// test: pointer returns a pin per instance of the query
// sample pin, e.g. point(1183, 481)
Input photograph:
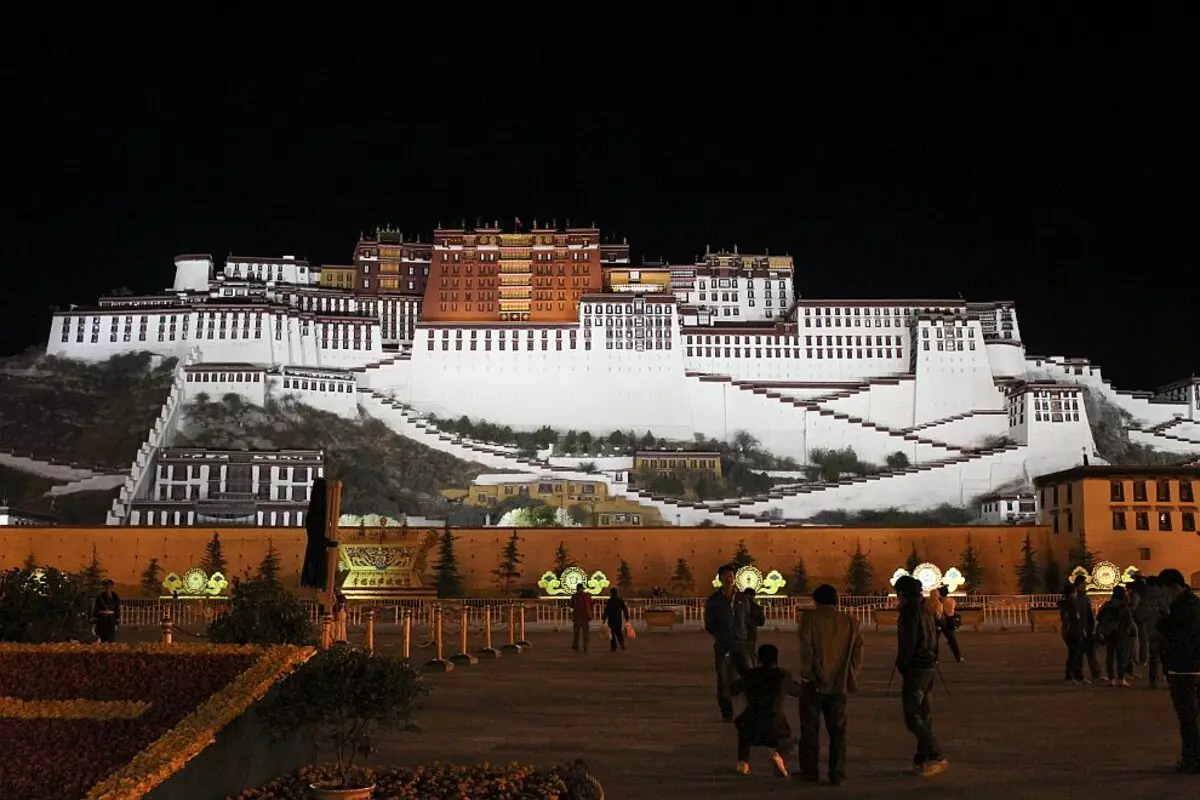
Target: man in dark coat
point(916, 661)
point(1087, 617)
point(764, 723)
point(726, 613)
point(616, 615)
point(1180, 632)
point(755, 619)
point(106, 613)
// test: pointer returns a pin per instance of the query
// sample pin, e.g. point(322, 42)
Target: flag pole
point(333, 515)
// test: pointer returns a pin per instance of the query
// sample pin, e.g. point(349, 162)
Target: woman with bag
point(616, 616)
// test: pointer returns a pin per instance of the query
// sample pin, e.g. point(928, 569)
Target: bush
point(41, 606)
point(262, 612)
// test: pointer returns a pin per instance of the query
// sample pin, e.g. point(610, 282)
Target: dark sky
point(1035, 162)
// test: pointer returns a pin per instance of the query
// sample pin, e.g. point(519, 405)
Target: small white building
point(12, 516)
point(1008, 508)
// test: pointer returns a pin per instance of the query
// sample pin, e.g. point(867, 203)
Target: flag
point(518, 221)
point(312, 573)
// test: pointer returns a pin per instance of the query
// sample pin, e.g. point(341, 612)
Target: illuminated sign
point(750, 577)
point(571, 577)
point(194, 583)
point(932, 578)
point(1104, 577)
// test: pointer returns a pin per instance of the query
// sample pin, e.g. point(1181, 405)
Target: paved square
point(647, 724)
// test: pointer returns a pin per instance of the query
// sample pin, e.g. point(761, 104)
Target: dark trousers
point(730, 665)
point(1076, 650)
point(951, 634)
point(813, 706)
point(1143, 645)
point(582, 633)
point(915, 694)
point(106, 629)
point(1185, 696)
point(752, 651)
point(783, 747)
point(1117, 653)
point(617, 636)
point(1155, 658)
point(1089, 650)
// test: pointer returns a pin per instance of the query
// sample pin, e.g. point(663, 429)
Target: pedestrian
point(725, 618)
point(755, 619)
point(1073, 627)
point(106, 613)
point(1116, 630)
point(1083, 605)
point(1180, 631)
point(581, 618)
point(831, 651)
point(916, 661)
point(948, 623)
point(616, 617)
point(1140, 653)
point(764, 723)
point(1154, 608)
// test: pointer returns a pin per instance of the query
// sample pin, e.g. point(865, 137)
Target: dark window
point(1188, 521)
point(1163, 491)
point(1185, 492)
point(1139, 491)
point(1118, 520)
point(1164, 520)
point(1055, 497)
point(1056, 523)
point(1141, 520)
point(1116, 491)
point(1070, 522)
point(1069, 493)
point(1144, 553)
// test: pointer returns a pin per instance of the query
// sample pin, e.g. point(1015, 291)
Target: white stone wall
point(335, 392)
point(193, 273)
point(969, 430)
point(218, 380)
point(953, 373)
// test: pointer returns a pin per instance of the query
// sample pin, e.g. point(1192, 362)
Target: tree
point(271, 564)
point(617, 439)
point(31, 563)
point(214, 556)
point(262, 613)
point(897, 460)
point(1028, 579)
point(800, 577)
point(624, 576)
point(579, 514)
point(858, 574)
point(569, 442)
point(682, 581)
point(510, 556)
point(562, 559)
point(1080, 556)
point(92, 576)
point(913, 561)
point(43, 606)
point(446, 578)
point(585, 442)
point(972, 570)
point(151, 581)
point(741, 556)
point(1052, 577)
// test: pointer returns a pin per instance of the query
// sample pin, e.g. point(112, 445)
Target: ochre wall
point(651, 552)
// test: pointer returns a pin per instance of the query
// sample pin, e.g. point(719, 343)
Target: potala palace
point(551, 326)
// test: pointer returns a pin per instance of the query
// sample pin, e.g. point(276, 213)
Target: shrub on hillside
point(944, 514)
point(262, 612)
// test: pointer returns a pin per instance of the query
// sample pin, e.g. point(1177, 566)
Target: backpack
point(1111, 622)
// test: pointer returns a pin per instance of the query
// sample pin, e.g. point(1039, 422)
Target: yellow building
point(648, 280)
point(670, 462)
point(491, 490)
point(338, 277)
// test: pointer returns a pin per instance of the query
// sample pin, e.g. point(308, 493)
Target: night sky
point(1045, 165)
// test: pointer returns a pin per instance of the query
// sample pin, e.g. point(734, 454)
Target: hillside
point(382, 472)
point(25, 492)
point(90, 413)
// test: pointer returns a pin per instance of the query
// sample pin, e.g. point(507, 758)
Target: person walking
point(1116, 630)
point(1140, 652)
point(831, 651)
point(581, 618)
point(616, 617)
point(948, 622)
point(1154, 609)
point(916, 661)
point(763, 723)
point(1180, 631)
point(1073, 627)
point(106, 613)
point(755, 619)
point(1083, 607)
point(725, 618)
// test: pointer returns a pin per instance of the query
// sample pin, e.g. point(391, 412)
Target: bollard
point(371, 631)
point(326, 630)
point(407, 645)
point(439, 663)
point(487, 651)
point(523, 642)
point(512, 646)
point(165, 625)
point(463, 656)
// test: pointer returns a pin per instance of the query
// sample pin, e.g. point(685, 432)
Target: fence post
point(512, 646)
point(523, 642)
point(371, 631)
point(487, 651)
point(165, 626)
point(407, 634)
point(439, 663)
point(463, 656)
point(327, 630)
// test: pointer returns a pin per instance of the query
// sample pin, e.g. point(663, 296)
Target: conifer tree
point(1028, 579)
point(859, 573)
point(913, 560)
point(509, 571)
point(800, 578)
point(31, 563)
point(741, 556)
point(624, 577)
point(446, 578)
point(562, 559)
point(151, 581)
point(92, 575)
point(682, 580)
point(214, 556)
point(1052, 577)
point(1080, 556)
point(271, 564)
point(972, 570)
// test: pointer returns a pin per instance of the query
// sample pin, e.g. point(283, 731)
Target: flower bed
point(114, 721)
point(478, 782)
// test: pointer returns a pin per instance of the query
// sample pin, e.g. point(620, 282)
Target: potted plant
point(339, 697)
point(659, 618)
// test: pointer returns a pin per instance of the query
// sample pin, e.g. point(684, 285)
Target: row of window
point(1141, 520)
point(1162, 491)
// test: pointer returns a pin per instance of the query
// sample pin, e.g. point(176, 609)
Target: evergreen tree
point(509, 571)
point(214, 557)
point(446, 578)
point(624, 577)
point(562, 559)
point(972, 570)
point(1080, 556)
point(741, 556)
point(913, 561)
point(93, 574)
point(682, 580)
point(859, 574)
point(271, 564)
point(1028, 579)
point(151, 581)
point(31, 563)
point(800, 578)
point(1052, 578)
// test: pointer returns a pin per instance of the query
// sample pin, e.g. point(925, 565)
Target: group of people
point(1155, 623)
point(616, 619)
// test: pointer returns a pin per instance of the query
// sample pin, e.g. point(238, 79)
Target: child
point(764, 723)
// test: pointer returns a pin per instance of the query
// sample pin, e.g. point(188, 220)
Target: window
point(1116, 492)
point(1069, 496)
point(1185, 492)
point(1187, 521)
point(1164, 520)
point(1141, 520)
point(1163, 491)
point(1118, 521)
point(1144, 553)
point(1056, 523)
point(1139, 491)
point(1070, 522)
